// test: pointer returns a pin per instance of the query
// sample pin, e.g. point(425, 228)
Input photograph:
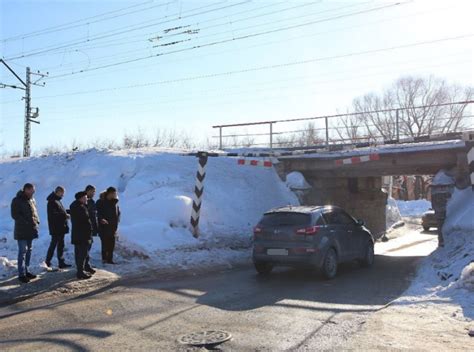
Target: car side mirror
point(360, 222)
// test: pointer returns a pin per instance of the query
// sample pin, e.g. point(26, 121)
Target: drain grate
point(205, 338)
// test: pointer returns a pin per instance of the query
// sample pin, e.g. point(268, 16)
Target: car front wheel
point(263, 268)
point(329, 268)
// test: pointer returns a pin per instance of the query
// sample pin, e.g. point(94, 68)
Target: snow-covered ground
point(447, 275)
point(156, 190)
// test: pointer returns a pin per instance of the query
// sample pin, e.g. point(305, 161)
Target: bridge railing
point(361, 126)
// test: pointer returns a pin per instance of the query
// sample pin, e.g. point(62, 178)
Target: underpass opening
point(353, 179)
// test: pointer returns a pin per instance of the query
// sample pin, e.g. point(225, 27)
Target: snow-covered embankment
point(156, 190)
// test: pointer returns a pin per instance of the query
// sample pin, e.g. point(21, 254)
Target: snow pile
point(413, 207)
point(392, 214)
point(296, 181)
point(156, 190)
point(298, 184)
point(448, 273)
point(467, 278)
point(460, 213)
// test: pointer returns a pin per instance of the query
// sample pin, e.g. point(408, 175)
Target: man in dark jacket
point(108, 215)
point(58, 227)
point(25, 214)
point(81, 234)
point(92, 208)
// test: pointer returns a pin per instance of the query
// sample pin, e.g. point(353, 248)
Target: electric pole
point(27, 133)
point(31, 114)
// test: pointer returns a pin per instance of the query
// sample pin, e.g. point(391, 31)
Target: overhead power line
point(267, 67)
point(222, 41)
point(259, 45)
point(87, 20)
point(266, 87)
point(135, 51)
point(109, 34)
point(51, 50)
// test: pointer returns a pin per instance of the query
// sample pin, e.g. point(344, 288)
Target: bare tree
point(373, 121)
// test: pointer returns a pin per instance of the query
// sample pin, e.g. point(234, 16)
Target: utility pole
point(31, 114)
point(27, 133)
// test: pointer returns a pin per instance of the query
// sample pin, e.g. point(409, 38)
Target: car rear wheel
point(369, 256)
point(329, 268)
point(263, 268)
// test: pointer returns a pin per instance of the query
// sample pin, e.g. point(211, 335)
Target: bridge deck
point(394, 159)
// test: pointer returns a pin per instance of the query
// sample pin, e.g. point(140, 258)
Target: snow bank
point(155, 189)
point(460, 212)
point(413, 207)
point(448, 273)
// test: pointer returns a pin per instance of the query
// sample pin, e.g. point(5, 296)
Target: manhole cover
point(204, 338)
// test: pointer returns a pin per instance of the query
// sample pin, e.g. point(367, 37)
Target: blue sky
point(187, 90)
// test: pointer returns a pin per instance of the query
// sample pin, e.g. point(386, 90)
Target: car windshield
point(288, 219)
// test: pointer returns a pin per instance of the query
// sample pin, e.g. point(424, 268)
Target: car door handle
point(350, 231)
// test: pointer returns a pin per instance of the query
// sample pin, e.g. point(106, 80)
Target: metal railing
point(398, 132)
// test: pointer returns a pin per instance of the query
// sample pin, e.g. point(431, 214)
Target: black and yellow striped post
point(198, 192)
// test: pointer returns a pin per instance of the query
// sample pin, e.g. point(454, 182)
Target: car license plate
point(277, 251)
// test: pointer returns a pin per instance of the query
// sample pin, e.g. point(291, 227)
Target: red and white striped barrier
point(357, 159)
point(254, 162)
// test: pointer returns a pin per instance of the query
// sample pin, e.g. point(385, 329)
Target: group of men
point(88, 219)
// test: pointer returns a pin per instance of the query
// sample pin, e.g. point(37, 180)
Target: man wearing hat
point(81, 235)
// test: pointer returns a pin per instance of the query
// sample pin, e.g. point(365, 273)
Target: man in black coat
point(108, 215)
point(58, 227)
point(92, 208)
point(81, 235)
point(25, 214)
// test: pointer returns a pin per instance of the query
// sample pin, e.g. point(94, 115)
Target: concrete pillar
point(362, 197)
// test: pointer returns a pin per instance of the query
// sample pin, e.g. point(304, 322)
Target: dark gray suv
point(317, 236)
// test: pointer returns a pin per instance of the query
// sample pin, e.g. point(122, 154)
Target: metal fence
point(335, 129)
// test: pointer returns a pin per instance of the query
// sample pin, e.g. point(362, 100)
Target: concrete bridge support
point(362, 197)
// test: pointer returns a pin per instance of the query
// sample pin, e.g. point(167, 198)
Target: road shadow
point(11, 290)
point(57, 339)
point(355, 289)
point(353, 286)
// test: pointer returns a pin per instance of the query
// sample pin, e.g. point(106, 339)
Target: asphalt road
point(289, 310)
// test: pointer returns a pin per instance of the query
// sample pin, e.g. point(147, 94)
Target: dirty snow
point(447, 275)
point(156, 191)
